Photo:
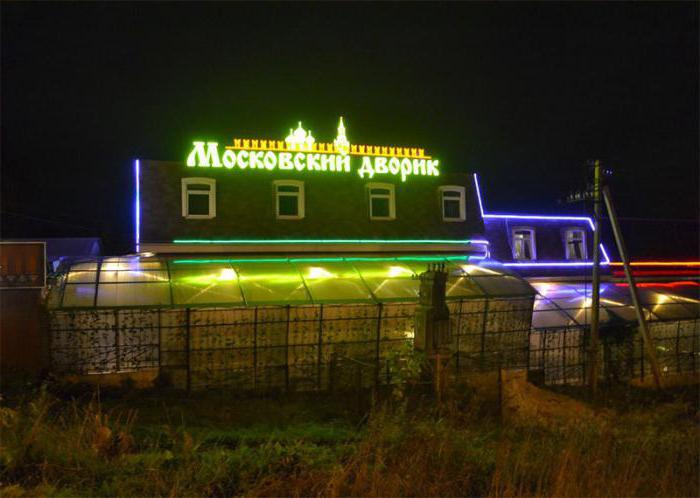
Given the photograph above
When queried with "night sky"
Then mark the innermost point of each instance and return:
(523, 94)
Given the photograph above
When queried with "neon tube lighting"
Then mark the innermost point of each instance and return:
(555, 264)
(137, 205)
(587, 219)
(478, 195)
(329, 241)
(649, 273)
(659, 263)
(605, 254)
(662, 284)
(526, 216)
(327, 259)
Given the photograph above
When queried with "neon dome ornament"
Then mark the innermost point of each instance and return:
(300, 139)
(341, 143)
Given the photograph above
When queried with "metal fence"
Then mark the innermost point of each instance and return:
(560, 355)
(277, 347)
(323, 347)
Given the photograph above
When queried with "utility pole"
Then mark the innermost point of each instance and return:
(594, 344)
(646, 336)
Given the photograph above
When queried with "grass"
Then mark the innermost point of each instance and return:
(57, 442)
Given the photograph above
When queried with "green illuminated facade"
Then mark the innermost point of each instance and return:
(186, 209)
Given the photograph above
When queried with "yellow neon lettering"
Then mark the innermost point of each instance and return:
(229, 159)
(285, 161)
(342, 163)
(394, 165)
(312, 163)
(242, 159)
(406, 168)
(380, 165)
(366, 167)
(270, 160)
(299, 159)
(419, 166)
(204, 158)
(327, 163)
(255, 162)
(433, 167)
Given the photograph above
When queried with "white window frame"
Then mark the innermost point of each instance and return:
(462, 202)
(584, 250)
(186, 182)
(533, 242)
(301, 204)
(391, 197)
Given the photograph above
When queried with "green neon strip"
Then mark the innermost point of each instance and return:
(323, 259)
(327, 241)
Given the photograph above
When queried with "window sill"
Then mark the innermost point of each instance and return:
(199, 217)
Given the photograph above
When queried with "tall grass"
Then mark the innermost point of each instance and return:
(53, 447)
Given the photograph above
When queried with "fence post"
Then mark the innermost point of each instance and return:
(116, 340)
(160, 338)
(483, 333)
(678, 352)
(458, 333)
(286, 354)
(331, 371)
(641, 350)
(187, 351)
(378, 338)
(319, 356)
(255, 349)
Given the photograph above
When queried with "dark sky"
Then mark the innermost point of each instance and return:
(524, 94)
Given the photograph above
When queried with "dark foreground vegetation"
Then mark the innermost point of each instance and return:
(58, 441)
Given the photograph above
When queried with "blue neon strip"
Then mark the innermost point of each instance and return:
(587, 219)
(478, 195)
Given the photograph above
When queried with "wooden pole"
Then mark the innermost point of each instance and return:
(594, 344)
(646, 336)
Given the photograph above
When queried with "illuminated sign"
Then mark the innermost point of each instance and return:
(300, 152)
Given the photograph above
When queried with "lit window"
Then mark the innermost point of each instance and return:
(198, 198)
(576, 244)
(382, 204)
(453, 205)
(524, 244)
(289, 199)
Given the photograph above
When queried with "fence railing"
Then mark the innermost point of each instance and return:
(322, 347)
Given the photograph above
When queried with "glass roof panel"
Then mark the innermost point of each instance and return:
(545, 315)
(333, 281)
(84, 265)
(112, 276)
(79, 295)
(132, 263)
(82, 276)
(211, 284)
(389, 280)
(133, 294)
(503, 285)
(462, 287)
(271, 283)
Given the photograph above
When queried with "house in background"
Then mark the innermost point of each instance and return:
(536, 245)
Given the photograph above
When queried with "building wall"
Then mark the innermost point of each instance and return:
(21, 323)
(336, 206)
(549, 237)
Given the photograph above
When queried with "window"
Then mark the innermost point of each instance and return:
(453, 205)
(575, 244)
(198, 198)
(289, 199)
(382, 204)
(524, 244)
